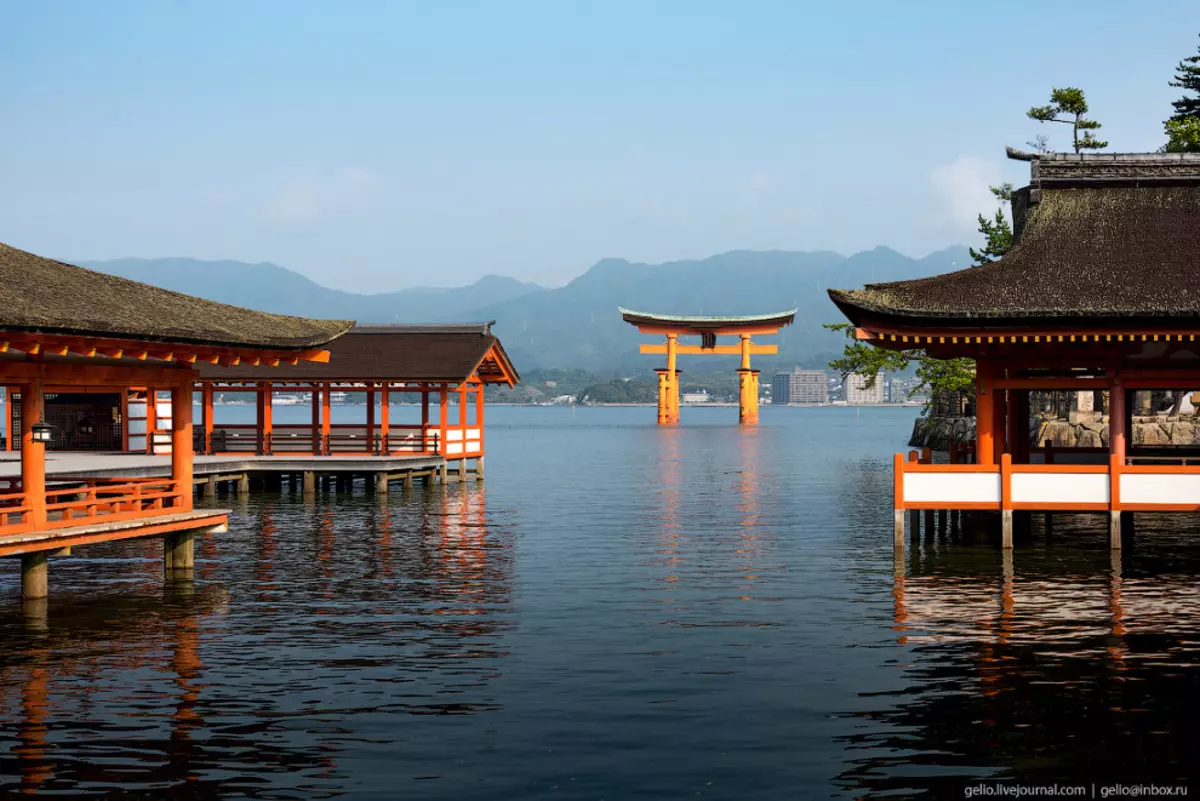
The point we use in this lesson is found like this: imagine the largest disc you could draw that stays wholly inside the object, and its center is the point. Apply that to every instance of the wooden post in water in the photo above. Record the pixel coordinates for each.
(35, 576)
(898, 502)
(408, 481)
(479, 468)
(381, 482)
(310, 484)
(1006, 510)
(210, 489)
(243, 485)
(178, 552)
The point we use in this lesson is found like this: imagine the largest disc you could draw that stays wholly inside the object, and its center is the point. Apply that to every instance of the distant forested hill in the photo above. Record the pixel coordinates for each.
(577, 325)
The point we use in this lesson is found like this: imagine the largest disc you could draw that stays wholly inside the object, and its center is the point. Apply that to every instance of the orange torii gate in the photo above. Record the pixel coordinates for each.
(708, 329)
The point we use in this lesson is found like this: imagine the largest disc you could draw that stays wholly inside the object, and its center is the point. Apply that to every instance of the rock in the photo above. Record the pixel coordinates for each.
(1088, 439)
(1183, 434)
(1152, 434)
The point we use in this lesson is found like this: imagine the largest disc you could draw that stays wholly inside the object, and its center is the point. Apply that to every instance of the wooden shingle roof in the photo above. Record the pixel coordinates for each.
(437, 353)
(43, 296)
(1111, 238)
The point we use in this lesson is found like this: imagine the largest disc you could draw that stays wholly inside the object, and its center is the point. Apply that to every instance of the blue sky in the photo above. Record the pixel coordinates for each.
(379, 145)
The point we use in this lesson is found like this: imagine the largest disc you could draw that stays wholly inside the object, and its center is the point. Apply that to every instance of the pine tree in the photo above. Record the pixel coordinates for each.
(1187, 77)
(997, 233)
(1071, 102)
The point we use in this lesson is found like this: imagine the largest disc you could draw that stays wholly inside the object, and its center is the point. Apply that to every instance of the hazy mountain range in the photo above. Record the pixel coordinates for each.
(576, 325)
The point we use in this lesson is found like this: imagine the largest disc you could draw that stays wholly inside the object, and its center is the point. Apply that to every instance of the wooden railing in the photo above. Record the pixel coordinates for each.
(90, 500)
(343, 439)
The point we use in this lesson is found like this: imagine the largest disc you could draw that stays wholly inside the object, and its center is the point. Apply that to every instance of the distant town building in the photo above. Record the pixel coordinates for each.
(858, 394)
(800, 386)
(699, 396)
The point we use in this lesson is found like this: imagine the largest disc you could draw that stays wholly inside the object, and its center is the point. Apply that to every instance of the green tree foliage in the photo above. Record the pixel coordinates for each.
(1187, 77)
(937, 377)
(620, 391)
(1071, 104)
(997, 233)
(1183, 135)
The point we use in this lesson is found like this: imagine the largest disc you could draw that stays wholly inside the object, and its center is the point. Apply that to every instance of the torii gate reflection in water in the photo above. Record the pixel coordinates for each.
(708, 329)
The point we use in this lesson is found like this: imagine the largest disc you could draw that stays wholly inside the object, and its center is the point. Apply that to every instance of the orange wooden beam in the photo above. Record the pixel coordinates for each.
(719, 350)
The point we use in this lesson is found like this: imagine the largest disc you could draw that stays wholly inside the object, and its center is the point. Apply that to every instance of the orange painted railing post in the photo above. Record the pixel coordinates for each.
(898, 502)
(370, 418)
(316, 418)
(181, 442)
(33, 455)
(1116, 463)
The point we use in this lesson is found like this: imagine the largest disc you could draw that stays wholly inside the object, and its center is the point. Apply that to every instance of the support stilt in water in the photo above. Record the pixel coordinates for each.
(443, 473)
(898, 530)
(381, 482)
(179, 553)
(479, 468)
(243, 485)
(35, 576)
(914, 523)
(929, 523)
(408, 482)
(1006, 529)
(1114, 530)
(210, 489)
(462, 470)
(310, 484)
(943, 517)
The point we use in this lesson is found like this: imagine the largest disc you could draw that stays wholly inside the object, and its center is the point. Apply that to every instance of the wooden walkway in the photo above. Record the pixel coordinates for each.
(238, 471)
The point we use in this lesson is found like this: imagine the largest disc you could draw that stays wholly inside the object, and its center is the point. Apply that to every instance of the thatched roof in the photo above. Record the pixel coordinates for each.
(1114, 239)
(418, 353)
(40, 295)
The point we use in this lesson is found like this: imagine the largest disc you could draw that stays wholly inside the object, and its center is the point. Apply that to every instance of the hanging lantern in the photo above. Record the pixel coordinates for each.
(42, 432)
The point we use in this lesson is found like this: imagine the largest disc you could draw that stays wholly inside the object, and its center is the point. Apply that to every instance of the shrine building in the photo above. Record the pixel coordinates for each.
(1100, 293)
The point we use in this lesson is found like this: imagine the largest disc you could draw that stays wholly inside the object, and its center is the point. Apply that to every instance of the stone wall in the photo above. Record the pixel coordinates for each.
(937, 434)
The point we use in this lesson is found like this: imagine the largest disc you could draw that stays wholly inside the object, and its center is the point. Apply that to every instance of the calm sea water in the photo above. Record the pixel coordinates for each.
(618, 612)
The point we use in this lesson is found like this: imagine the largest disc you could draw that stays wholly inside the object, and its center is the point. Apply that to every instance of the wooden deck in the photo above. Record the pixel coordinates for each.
(74, 465)
(101, 530)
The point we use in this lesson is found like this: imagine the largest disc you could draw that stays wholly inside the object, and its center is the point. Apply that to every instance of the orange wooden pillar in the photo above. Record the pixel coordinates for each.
(443, 419)
(385, 419)
(1001, 426)
(181, 442)
(179, 546)
(316, 418)
(1117, 436)
(672, 375)
(424, 418)
(985, 415)
(747, 386)
(206, 412)
(326, 418)
(8, 418)
(35, 572)
(479, 425)
(151, 417)
(33, 455)
(371, 419)
(268, 417)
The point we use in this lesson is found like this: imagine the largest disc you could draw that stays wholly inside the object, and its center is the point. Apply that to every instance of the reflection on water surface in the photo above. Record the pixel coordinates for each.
(621, 612)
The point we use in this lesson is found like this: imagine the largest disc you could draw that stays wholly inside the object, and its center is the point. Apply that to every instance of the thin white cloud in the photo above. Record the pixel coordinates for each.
(962, 190)
(305, 201)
